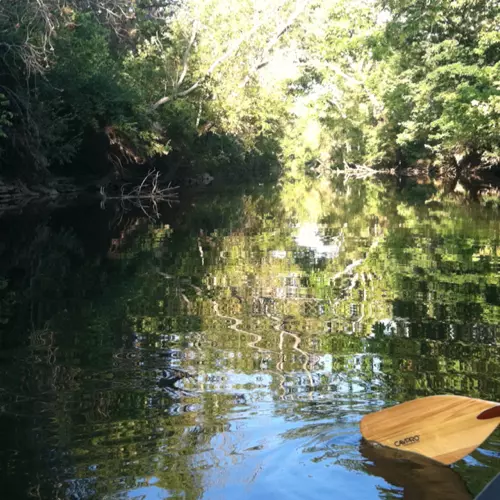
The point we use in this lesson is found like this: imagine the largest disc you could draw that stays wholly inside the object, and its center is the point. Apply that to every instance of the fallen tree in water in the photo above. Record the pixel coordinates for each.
(353, 171)
(146, 195)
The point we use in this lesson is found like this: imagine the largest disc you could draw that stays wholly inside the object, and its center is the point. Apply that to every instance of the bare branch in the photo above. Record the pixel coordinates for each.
(186, 54)
(146, 192)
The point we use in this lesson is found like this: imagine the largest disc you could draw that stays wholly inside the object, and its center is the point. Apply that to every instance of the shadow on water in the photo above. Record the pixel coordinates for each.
(230, 348)
(420, 478)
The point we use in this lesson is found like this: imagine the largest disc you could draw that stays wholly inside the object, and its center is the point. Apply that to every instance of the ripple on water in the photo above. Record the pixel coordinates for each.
(287, 327)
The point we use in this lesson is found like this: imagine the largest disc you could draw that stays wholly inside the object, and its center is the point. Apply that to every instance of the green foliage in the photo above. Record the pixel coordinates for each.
(405, 79)
(88, 74)
(449, 74)
(312, 82)
(75, 88)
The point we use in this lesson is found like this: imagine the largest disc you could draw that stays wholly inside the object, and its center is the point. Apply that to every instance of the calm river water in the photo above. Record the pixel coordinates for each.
(230, 348)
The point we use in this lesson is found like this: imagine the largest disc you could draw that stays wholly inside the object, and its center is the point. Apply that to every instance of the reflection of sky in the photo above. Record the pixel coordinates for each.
(148, 493)
(308, 235)
(261, 383)
(267, 444)
(298, 384)
(263, 453)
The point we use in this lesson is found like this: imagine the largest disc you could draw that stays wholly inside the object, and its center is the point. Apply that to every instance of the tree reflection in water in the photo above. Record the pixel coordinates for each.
(295, 310)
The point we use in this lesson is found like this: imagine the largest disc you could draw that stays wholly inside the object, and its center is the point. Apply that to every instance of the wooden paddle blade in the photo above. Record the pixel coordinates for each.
(444, 428)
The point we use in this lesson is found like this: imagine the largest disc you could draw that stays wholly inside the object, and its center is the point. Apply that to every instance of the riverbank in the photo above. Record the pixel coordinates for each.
(16, 194)
(475, 184)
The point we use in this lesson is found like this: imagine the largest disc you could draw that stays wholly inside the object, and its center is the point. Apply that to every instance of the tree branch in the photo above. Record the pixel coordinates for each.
(186, 55)
(230, 51)
(352, 80)
(284, 27)
(335, 103)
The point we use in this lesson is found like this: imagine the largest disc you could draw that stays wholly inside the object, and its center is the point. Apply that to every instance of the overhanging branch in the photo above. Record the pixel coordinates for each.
(230, 51)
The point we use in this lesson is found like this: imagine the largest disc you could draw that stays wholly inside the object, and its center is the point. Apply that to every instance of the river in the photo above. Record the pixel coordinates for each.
(229, 348)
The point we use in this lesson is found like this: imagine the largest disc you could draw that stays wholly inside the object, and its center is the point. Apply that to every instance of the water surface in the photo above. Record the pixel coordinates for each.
(230, 348)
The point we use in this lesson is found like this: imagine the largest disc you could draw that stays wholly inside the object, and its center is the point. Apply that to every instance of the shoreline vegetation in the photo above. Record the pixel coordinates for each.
(479, 185)
(95, 94)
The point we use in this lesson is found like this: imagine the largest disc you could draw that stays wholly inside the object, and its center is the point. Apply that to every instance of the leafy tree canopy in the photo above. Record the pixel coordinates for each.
(370, 82)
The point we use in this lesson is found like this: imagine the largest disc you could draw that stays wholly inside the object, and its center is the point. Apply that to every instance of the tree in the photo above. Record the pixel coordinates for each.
(446, 56)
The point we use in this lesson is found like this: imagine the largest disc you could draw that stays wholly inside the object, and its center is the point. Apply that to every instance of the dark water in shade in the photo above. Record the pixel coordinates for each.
(295, 310)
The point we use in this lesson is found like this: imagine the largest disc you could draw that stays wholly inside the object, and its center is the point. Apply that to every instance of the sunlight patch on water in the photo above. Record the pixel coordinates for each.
(309, 236)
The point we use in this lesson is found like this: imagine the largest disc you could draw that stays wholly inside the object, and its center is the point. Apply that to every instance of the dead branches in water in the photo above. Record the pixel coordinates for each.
(353, 171)
(146, 196)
